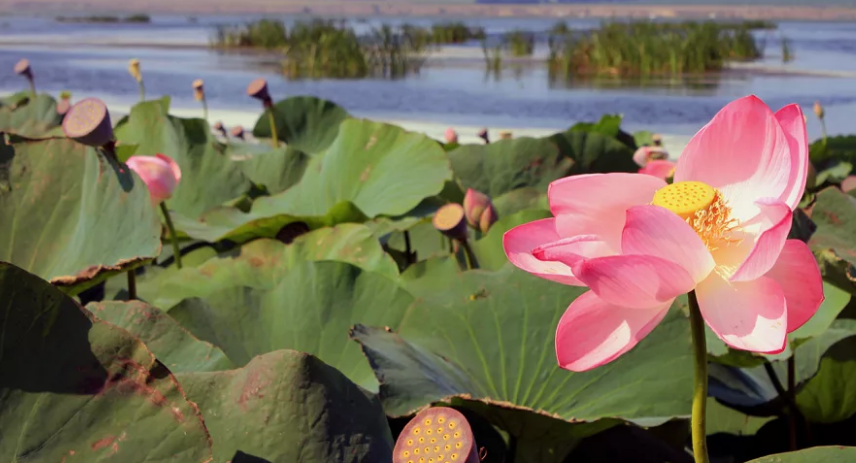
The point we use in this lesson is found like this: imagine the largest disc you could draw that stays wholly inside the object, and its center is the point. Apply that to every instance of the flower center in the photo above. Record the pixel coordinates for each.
(703, 207)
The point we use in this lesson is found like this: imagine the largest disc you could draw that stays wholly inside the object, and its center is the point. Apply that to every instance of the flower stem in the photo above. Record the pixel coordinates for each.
(176, 251)
(273, 137)
(823, 130)
(142, 91)
(469, 255)
(699, 430)
(792, 419)
(407, 248)
(132, 284)
(205, 109)
(33, 87)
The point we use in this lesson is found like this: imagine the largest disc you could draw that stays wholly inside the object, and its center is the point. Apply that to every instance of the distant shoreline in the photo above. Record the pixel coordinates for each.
(451, 10)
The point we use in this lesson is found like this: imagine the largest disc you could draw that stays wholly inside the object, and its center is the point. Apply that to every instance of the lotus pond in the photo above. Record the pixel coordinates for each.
(302, 295)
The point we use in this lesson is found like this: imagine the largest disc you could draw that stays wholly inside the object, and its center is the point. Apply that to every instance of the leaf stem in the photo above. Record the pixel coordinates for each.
(407, 248)
(176, 251)
(699, 431)
(792, 419)
(142, 91)
(132, 284)
(469, 255)
(273, 137)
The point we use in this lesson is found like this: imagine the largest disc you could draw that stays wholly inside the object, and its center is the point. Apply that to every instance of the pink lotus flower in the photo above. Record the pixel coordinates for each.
(720, 229)
(159, 172)
(660, 168)
(451, 136)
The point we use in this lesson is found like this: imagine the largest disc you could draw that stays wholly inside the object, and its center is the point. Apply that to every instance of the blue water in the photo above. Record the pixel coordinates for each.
(86, 60)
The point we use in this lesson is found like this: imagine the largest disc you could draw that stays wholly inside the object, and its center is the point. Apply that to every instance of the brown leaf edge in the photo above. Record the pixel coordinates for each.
(92, 275)
(146, 374)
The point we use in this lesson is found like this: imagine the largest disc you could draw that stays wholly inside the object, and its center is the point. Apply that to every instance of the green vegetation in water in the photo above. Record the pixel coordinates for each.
(646, 49)
(520, 43)
(326, 48)
(134, 18)
(455, 32)
(787, 53)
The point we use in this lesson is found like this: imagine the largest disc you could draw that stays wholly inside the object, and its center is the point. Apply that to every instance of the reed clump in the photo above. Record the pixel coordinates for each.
(330, 49)
(520, 43)
(643, 48)
(455, 32)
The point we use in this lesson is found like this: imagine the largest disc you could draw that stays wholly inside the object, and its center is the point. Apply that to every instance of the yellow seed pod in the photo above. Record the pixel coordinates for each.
(134, 70)
(456, 435)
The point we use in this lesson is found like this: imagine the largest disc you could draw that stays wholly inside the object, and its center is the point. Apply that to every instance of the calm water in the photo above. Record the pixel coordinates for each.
(87, 60)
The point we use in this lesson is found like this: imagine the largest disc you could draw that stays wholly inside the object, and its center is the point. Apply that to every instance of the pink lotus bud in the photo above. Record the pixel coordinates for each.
(238, 132)
(160, 174)
(488, 218)
(63, 106)
(451, 135)
(475, 202)
(849, 184)
(449, 220)
(258, 89)
(88, 122)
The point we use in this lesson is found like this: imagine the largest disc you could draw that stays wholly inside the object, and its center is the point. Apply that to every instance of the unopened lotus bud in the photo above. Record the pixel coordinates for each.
(488, 218)
(64, 103)
(134, 70)
(238, 132)
(22, 68)
(88, 122)
(438, 434)
(505, 135)
(160, 174)
(198, 90)
(483, 134)
(849, 184)
(818, 110)
(219, 127)
(258, 89)
(475, 202)
(450, 221)
(451, 136)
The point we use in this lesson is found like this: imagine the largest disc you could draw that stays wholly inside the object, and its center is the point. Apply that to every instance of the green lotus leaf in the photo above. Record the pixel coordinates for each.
(370, 170)
(262, 264)
(308, 308)
(830, 454)
(173, 346)
(289, 406)
(507, 165)
(830, 396)
(71, 215)
(723, 419)
(305, 123)
(277, 170)
(834, 241)
(488, 337)
(596, 153)
(74, 388)
(21, 115)
(209, 177)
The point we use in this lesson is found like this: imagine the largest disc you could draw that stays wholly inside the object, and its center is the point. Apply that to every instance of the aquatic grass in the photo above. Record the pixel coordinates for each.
(520, 43)
(455, 32)
(643, 48)
(330, 49)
